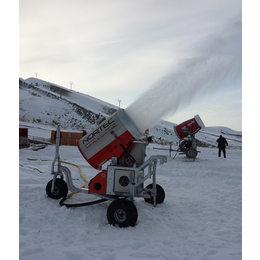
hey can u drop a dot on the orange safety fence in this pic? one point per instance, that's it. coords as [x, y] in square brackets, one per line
[67, 138]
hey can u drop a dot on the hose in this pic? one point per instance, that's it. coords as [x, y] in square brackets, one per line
[175, 155]
[80, 204]
[80, 173]
[72, 193]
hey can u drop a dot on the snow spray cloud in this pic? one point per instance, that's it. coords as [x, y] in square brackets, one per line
[218, 62]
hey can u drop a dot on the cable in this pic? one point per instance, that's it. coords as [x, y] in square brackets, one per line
[72, 193]
[80, 173]
[80, 204]
[175, 155]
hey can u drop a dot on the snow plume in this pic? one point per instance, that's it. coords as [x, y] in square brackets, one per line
[218, 64]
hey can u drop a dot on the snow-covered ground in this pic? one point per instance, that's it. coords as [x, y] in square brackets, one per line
[201, 217]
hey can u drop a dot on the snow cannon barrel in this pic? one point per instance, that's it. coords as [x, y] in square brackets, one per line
[191, 126]
[109, 139]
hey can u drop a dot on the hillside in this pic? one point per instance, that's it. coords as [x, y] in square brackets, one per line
[44, 104]
[47, 104]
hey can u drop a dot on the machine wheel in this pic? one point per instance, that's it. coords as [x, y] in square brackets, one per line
[184, 145]
[60, 189]
[191, 152]
[160, 194]
[122, 212]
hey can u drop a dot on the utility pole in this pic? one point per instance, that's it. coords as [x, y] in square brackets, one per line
[36, 74]
[119, 100]
[71, 85]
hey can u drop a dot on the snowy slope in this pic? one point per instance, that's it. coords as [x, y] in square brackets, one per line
[200, 218]
[47, 104]
[44, 104]
[87, 101]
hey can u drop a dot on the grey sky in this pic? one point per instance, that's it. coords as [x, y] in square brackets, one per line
[118, 49]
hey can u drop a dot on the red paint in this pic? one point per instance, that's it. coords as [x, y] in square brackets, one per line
[111, 150]
[99, 183]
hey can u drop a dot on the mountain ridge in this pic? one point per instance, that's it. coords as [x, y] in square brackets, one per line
[47, 104]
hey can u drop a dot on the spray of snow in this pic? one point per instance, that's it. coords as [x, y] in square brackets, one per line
[214, 67]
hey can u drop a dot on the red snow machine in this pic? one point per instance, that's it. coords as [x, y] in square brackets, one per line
[186, 133]
[118, 143]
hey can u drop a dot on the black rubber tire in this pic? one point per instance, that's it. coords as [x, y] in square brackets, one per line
[191, 152]
[60, 189]
[122, 213]
[160, 194]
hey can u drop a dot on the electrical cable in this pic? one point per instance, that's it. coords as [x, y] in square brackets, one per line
[175, 155]
[72, 193]
[80, 173]
[80, 204]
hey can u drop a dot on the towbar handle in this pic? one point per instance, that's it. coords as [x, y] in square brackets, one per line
[57, 155]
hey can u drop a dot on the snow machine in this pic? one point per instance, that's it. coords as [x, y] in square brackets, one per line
[116, 140]
[185, 132]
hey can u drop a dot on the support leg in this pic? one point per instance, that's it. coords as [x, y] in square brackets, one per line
[154, 185]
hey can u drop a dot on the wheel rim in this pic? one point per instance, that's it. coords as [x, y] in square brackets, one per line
[120, 215]
[191, 153]
[56, 190]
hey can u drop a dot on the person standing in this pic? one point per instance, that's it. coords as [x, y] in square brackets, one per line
[222, 142]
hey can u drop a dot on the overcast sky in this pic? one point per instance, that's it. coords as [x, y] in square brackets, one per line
[119, 49]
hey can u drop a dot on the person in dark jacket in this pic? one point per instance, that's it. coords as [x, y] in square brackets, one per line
[222, 142]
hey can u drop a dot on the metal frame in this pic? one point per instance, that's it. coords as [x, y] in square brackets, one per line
[56, 158]
[137, 178]
[136, 174]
